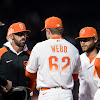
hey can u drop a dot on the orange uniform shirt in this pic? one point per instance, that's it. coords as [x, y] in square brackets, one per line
[97, 66]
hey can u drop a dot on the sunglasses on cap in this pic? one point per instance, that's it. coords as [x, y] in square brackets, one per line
[21, 33]
[86, 39]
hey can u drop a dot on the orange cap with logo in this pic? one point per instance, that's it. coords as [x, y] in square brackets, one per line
[17, 27]
[53, 22]
[87, 32]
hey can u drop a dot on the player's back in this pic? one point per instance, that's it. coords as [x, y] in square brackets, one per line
[57, 60]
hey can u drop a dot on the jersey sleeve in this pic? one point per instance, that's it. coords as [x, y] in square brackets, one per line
[32, 65]
[77, 64]
[75, 77]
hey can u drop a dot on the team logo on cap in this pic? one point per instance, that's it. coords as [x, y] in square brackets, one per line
[82, 31]
[21, 26]
[58, 25]
[93, 33]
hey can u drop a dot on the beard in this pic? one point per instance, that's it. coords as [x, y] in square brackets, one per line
[20, 43]
[89, 48]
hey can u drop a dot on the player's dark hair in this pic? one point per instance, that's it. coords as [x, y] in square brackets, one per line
[56, 30]
[98, 44]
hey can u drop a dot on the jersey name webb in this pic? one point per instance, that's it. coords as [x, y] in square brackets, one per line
[59, 48]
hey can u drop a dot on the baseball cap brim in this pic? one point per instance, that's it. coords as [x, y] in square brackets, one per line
[83, 37]
[43, 29]
[23, 31]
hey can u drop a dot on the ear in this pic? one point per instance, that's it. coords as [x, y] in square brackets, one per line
[8, 37]
[95, 40]
[11, 36]
[48, 30]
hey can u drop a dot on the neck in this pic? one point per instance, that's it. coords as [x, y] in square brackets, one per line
[55, 35]
[16, 48]
[92, 53]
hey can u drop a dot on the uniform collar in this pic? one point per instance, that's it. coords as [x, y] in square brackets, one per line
[8, 44]
[57, 37]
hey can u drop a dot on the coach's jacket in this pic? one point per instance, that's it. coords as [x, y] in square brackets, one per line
[88, 81]
[12, 65]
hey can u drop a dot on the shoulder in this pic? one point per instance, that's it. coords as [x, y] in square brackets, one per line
[97, 60]
[2, 51]
[28, 52]
[41, 44]
[83, 56]
[98, 55]
[70, 44]
[71, 47]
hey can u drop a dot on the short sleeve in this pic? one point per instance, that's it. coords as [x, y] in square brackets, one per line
[32, 65]
[77, 64]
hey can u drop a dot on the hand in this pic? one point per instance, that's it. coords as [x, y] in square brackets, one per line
[9, 85]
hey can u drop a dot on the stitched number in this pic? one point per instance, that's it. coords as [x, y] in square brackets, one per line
[54, 58]
[51, 64]
[68, 62]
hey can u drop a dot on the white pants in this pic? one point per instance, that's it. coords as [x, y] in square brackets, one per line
[56, 94]
[97, 95]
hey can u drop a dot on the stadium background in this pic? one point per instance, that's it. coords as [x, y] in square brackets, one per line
[75, 15]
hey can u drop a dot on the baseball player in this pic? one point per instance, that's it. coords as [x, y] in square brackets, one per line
[55, 60]
[88, 76]
[97, 67]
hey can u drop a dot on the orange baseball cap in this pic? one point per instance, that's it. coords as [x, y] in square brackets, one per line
[53, 22]
[87, 32]
[17, 27]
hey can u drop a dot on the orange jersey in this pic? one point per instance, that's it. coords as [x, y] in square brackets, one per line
[97, 66]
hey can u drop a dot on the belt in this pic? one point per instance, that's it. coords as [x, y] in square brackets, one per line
[42, 89]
